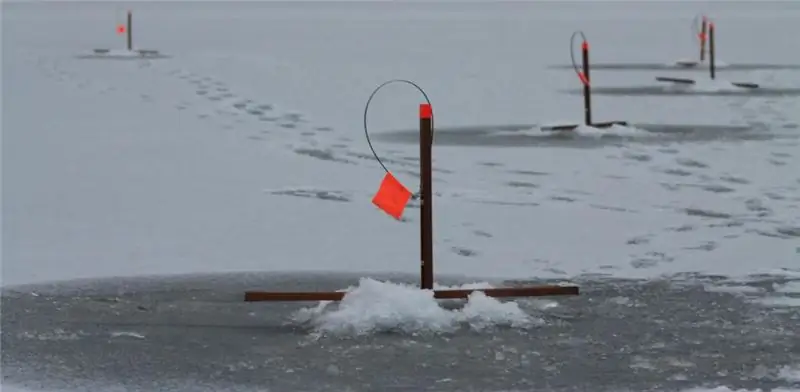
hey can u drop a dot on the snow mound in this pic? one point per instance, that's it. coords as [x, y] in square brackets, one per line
[580, 131]
[122, 54]
[683, 62]
[703, 85]
[592, 132]
[379, 307]
[614, 130]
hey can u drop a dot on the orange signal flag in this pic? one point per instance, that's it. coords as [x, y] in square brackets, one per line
[583, 78]
[120, 29]
[392, 197]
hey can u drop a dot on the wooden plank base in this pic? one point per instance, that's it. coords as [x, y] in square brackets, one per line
[572, 127]
[675, 80]
[609, 124]
[687, 64]
[745, 85]
[690, 81]
[140, 52]
[509, 292]
[566, 127]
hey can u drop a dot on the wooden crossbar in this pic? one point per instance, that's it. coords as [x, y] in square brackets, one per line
[572, 127]
[675, 80]
[687, 64]
[506, 292]
[690, 81]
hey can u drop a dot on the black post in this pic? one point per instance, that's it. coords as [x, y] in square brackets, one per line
[703, 36]
[587, 90]
[426, 212]
[711, 51]
[130, 31]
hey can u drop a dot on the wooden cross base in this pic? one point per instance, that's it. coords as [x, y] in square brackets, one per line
[140, 52]
[299, 296]
[687, 64]
[587, 94]
[572, 127]
[690, 81]
[712, 67]
[674, 80]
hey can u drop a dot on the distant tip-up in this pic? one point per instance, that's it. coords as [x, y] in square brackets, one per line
[692, 82]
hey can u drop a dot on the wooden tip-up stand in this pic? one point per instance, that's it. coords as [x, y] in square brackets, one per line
[712, 66]
[583, 75]
[128, 30]
[426, 248]
[702, 35]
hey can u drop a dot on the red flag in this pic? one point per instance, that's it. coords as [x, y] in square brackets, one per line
[392, 197]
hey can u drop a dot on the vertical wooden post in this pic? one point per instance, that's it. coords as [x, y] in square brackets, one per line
[703, 37]
[130, 30]
[711, 51]
[587, 90]
[426, 196]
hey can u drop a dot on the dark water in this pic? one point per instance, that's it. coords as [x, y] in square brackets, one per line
[671, 90]
[675, 67]
[195, 333]
[531, 135]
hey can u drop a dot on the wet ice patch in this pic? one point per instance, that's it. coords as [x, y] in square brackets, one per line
[614, 130]
[703, 213]
[789, 287]
[790, 373]
[688, 162]
[690, 62]
[314, 193]
[380, 307]
[321, 154]
[127, 334]
[779, 302]
[789, 231]
[732, 289]
[589, 131]
[726, 389]
[521, 184]
[57, 334]
[785, 296]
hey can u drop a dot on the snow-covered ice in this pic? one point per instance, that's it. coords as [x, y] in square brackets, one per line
[244, 151]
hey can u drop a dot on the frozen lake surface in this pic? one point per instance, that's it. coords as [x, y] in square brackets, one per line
[241, 156]
[195, 333]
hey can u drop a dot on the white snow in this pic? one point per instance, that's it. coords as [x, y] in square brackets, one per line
[704, 64]
[157, 167]
[614, 130]
[726, 389]
[583, 131]
[160, 167]
[375, 306]
[120, 53]
[790, 373]
[705, 85]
